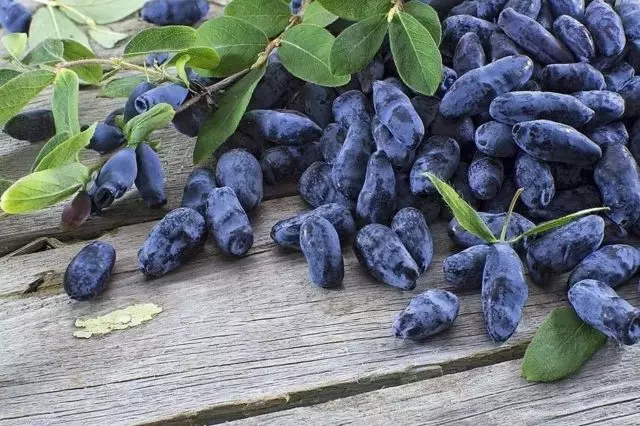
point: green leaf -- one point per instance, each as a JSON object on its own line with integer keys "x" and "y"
{"x": 67, "y": 151}
{"x": 203, "y": 58}
{"x": 74, "y": 51}
{"x": 356, "y": 10}
{"x": 427, "y": 16}
{"x": 560, "y": 346}
{"x": 50, "y": 146}
{"x": 141, "y": 126}
{"x": 556, "y": 223}
{"x": 18, "y": 91}
{"x": 45, "y": 188}
{"x": 237, "y": 42}
{"x": 48, "y": 22}
{"x": 305, "y": 52}
{"x": 180, "y": 68}
{"x": 49, "y": 51}
{"x": 271, "y": 16}
{"x": 7, "y": 74}
{"x": 65, "y": 102}
{"x": 172, "y": 38}
{"x": 224, "y": 121}
{"x": 121, "y": 87}
{"x": 105, "y": 37}
{"x": 415, "y": 53}
{"x": 315, "y": 14}
{"x": 4, "y": 185}
{"x": 15, "y": 44}
{"x": 102, "y": 11}
{"x": 356, "y": 46}
{"x": 463, "y": 212}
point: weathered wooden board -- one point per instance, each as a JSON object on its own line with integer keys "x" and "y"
{"x": 238, "y": 336}
{"x": 605, "y": 391}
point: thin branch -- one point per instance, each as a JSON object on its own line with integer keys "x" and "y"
{"x": 210, "y": 90}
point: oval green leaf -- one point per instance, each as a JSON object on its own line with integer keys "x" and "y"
{"x": 7, "y": 74}
{"x": 67, "y": 151}
{"x": 45, "y": 188}
{"x": 466, "y": 216}
{"x": 18, "y": 91}
{"x": 141, "y": 126}
{"x": 102, "y": 11}
{"x": 356, "y": 10}
{"x": 50, "y": 146}
{"x": 105, "y": 37}
{"x": 315, "y": 14}
{"x": 415, "y": 53}
{"x": 74, "y": 51}
{"x": 305, "y": 52}
{"x": 427, "y": 16}
{"x": 48, "y": 22}
{"x": 271, "y": 16}
{"x": 65, "y": 102}
{"x": 172, "y": 38}
{"x": 202, "y": 58}
{"x": 224, "y": 121}
{"x": 237, "y": 42}
{"x": 121, "y": 87}
{"x": 560, "y": 346}
{"x": 49, "y": 51}
{"x": 356, "y": 46}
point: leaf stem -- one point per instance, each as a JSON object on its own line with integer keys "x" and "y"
{"x": 505, "y": 224}
{"x": 119, "y": 64}
{"x": 209, "y": 90}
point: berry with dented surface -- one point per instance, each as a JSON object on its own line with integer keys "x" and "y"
{"x": 228, "y": 222}
{"x": 496, "y": 140}
{"x": 241, "y": 171}
{"x": 395, "y": 111}
{"x": 440, "y": 156}
{"x": 150, "y": 177}
{"x": 115, "y": 177}
{"x": 535, "y": 177}
{"x": 412, "y": 229}
{"x": 350, "y": 107}
{"x": 606, "y": 27}
{"x": 130, "y": 110}
{"x": 316, "y": 187}
{"x": 400, "y": 156}
{"x": 608, "y": 106}
{"x": 486, "y": 175}
{"x": 281, "y": 126}
{"x": 377, "y": 199}
{"x": 614, "y": 265}
{"x": 576, "y": 37}
{"x": 455, "y": 27}
{"x": 350, "y": 167}
{"x": 320, "y": 245}
{"x": 570, "y": 78}
{"x": 464, "y": 270}
{"x": 427, "y": 314}
{"x": 609, "y": 134}
{"x": 469, "y": 54}
{"x": 618, "y": 76}
{"x": 89, "y": 272}
{"x": 200, "y": 183}
{"x": 331, "y": 142}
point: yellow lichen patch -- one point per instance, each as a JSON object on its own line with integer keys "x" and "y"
{"x": 130, "y": 316}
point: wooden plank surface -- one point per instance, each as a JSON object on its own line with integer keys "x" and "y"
{"x": 237, "y": 337}
{"x": 606, "y": 391}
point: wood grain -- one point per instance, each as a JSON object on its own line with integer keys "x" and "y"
{"x": 238, "y": 336}
{"x": 605, "y": 391}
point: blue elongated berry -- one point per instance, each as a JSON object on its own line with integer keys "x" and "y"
{"x": 568, "y": 201}
{"x": 77, "y": 211}
{"x": 372, "y": 72}
{"x": 617, "y": 177}
{"x": 495, "y": 221}
{"x": 570, "y": 78}
{"x": 630, "y": 92}
{"x": 608, "y": 106}
{"x": 609, "y": 134}
{"x": 350, "y": 167}
{"x": 200, "y": 183}
{"x": 150, "y": 177}
{"x": 282, "y": 163}
{"x": 496, "y": 139}
{"x": 473, "y": 92}
{"x": 606, "y": 27}
{"x": 130, "y": 110}
{"x": 599, "y": 305}
{"x": 174, "y": 12}
{"x": 489, "y": 9}
{"x": 427, "y": 108}
{"x": 172, "y": 94}
{"x": 535, "y": 177}
{"x": 377, "y": 199}
{"x": 394, "y": 110}
{"x": 576, "y": 37}
{"x": 316, "y": 187}
{"x": 384, "y": 256}
{"x": 516, "y": 107}
{"x": 573, "y": 8}
{"x": 35, "y": 125}
{"x": 618, "y": 76}
{"x": 14, "y": 17}
{"x": 629, "y": 11}
{"x": 281, "y": 126}
{"x": 502, "y": 46}
{"x": 286, "y": 233}
{"x": 427, "y": 314}
{"x": 320, "y": 245}
{"x": 530, "y": 8}
{"x": 560, "y": 250}
{"x": 504, "y": 292}
{"x": 318, "y": 103}
{"x": 115, "y": 177}
{"x": 469, "y": 54}
{"x": 551, "y": 141}
{"x": 176, "y": 238}
{"x": 189, "y": 121}
{"x": 454, "y": 27}
{"x": 412, "y": 229}
{"x": 106, "y": 138}
{"x": 331, "y": 142}
{"x": 486, "y": 175}
{"x": 533, "y": 38}
{"x": 614, "y": 265}
{"x": 228, "y": 222}
{"x": 400, "y": 156}
{"x": 350, "y": 107}
{"x": 464, "y": 270}
{"x": 89, "y": 271}
{"x": 403, "y": 87}
{"x": 241, "y": 171}
{"x": 440, "y": 156}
